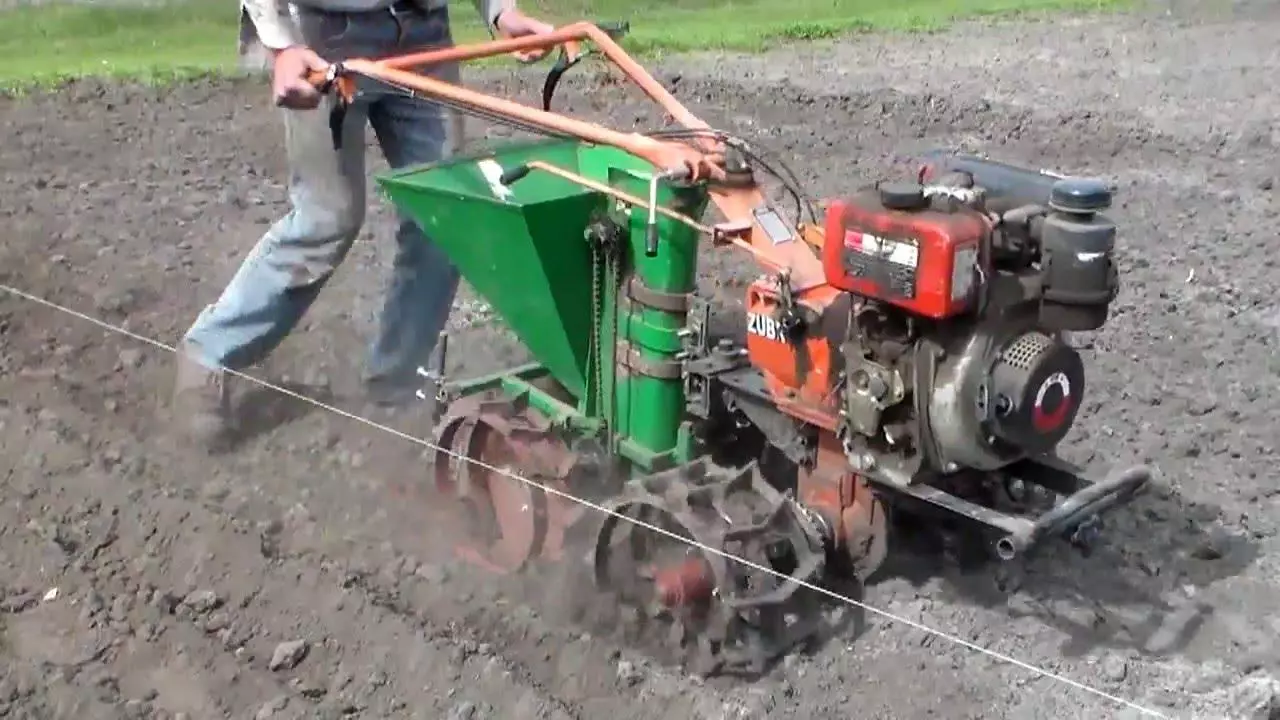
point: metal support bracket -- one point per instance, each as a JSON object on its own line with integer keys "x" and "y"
{"x": 642, "y": 294}
{"x": 630, "y": 362}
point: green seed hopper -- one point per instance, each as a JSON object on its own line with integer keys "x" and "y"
{"x": 566, "y": 268}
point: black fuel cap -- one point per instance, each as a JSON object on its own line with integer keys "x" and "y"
{"x": 902, "y": 196}
{"x": 1080, "y": 195}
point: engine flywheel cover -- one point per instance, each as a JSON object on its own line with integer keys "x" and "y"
{"x": 1037, "y": 385}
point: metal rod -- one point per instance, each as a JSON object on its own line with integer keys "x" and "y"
{"x": 637, "y": 202}
{"x": 1094, "y": 499}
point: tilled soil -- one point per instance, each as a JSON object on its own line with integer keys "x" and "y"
{"x": 304, "y": 576}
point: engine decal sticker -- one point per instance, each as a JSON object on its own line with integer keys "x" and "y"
{"x": 764, "y": 326}
{"x": 962, "y": 274}
{"x": 898, "y": 252}
{"x": 1053, "y": 401}
{"x": 890, "y": 264}
{"x": 778, "y": 230}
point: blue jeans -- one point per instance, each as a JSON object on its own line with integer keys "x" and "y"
{"x": 284, "y": 273}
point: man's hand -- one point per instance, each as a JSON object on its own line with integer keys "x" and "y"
{"x": 515, "y": 24}
{"x": 289, "y": 78}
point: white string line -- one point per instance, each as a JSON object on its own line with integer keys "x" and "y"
{"x": 599, "y": 508}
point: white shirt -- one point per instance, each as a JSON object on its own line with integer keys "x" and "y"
{"x": 272, "y": 23}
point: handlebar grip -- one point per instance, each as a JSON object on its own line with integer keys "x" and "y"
{"x": 651, "y": 241}
{"x": 513, "y": 175}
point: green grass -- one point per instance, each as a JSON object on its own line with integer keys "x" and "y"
{"x": 48, "y": 43}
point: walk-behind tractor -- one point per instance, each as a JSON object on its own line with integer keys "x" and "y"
{"x": 904, "y": 350}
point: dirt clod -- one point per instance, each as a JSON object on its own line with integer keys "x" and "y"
{"x": 1115, "y": 668}
{"x": 201, "y": 602}
{"x": 288, "y": 654}
{"x": 272, "y": 708}
{"x": 1256, "y": 698}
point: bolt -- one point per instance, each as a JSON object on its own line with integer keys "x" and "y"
{"x": 861, "y": 379}
{"x": 1004, "y": 405}
{"x": 1017, "y": 489}
{"x": 877, "y": 387}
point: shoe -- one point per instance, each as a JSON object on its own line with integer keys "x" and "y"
{"x": 201, "y": 402}
{"x": 389, "y": 395}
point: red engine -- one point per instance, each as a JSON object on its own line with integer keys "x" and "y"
{"x": 887, "y": 243}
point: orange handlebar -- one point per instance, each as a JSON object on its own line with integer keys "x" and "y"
{"x": 701, "y": 158}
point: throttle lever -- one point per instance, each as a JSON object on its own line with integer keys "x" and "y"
{"x": 568, "y": 58}
{"x": 651, "y": 223}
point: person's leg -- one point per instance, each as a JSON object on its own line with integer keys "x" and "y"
{"x": 423, "y": 280}
{"x": 283, "y": 273}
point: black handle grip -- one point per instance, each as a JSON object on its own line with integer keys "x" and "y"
{"x": 651, "y": 241}
{"x": 337, "y": 121}
{"x": 615, "y": 31}
{"x": 510, "y": 176}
